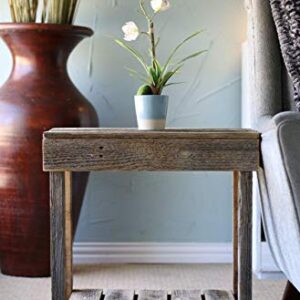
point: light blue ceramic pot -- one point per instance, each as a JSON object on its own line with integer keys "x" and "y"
{"x": 151, "y": 111}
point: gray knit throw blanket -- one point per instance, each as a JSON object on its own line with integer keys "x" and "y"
{"x": 286, "y": 14}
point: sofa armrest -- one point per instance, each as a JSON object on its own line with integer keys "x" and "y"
{"x": 267, "y": 122}
{"x": 287, "y": 116}
{"x": 279, "y": 182}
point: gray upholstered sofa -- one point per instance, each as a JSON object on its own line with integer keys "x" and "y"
{"x": 273, "y": 114}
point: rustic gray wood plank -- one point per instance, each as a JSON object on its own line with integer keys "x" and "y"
{"x": 235, "y": 231}
{"x": 68, "y": 233}
{"x": 86, "y": 295}
{"x": 152, "y": 295}
{"x": 245, "y": 237}
{"x": 217, "y": 295}
{"x": 126, "y": 133}
{"x": 151, "y": 154}
{"x": 186, "y": 295}
{"x": 61, "y": 235}
{"x": 119, "y": 295}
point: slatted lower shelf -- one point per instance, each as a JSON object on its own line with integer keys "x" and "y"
{"x": 151, "y": 295}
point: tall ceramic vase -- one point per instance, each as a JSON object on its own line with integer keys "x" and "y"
{"x": 37, "y": 96}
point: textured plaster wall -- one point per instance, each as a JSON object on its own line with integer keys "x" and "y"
{"x": 160, "y": 207}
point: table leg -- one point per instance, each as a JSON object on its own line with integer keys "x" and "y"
{"x": 245, "y": 237}
{"x": 235, "y": 232}
{"x": 61, "y": 234}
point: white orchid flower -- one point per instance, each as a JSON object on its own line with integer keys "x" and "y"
{"x": 131, "y": 31}
{"x": 160, "y": 5}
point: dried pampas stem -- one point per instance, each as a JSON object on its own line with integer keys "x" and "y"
{"x": 53, "y": 11}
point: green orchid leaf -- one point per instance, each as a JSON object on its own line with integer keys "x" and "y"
{"x": 157, "y": 67}
{"x": 138, "y": 75}
{"x": 153, "y": 74}
{"x": 164, "y": 79}
{"x": 174, "y": 83}
{"x": 157, "y": 42}
{"x": 133, "y": 52}
{"x": 192, "y": 56}
{"x": 167, "y": 76}
{"x": 178, "y": 47}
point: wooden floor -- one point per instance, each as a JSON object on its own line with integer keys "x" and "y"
{"x": 151, "y": 295}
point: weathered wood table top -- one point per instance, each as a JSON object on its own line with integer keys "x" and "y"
{"x": 68, "y": 150}
{"x": 168, "y": 150}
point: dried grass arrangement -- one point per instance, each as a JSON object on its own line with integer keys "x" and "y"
{"x": 53, "y": 11}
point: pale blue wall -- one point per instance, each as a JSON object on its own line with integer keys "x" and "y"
{"x": 168, "y": 207}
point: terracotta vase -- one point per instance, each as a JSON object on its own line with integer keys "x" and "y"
{"x": 38, "y": 95}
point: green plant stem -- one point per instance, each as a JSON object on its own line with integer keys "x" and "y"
{"x": 151, "y": 34}
{"x": 152, "y": 41}
{"x": 144, "y": 12}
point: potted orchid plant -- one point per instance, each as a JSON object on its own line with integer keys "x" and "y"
{"x": 150, "y": 104}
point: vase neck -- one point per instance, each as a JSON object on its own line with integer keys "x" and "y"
{"x": 38, "y": 53}
{"x": 35, "y": 63}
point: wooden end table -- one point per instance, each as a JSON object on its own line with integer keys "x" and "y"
{"x": 77, "y": 150}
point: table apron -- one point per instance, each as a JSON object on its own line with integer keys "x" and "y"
{"x": 150, "y": 154}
